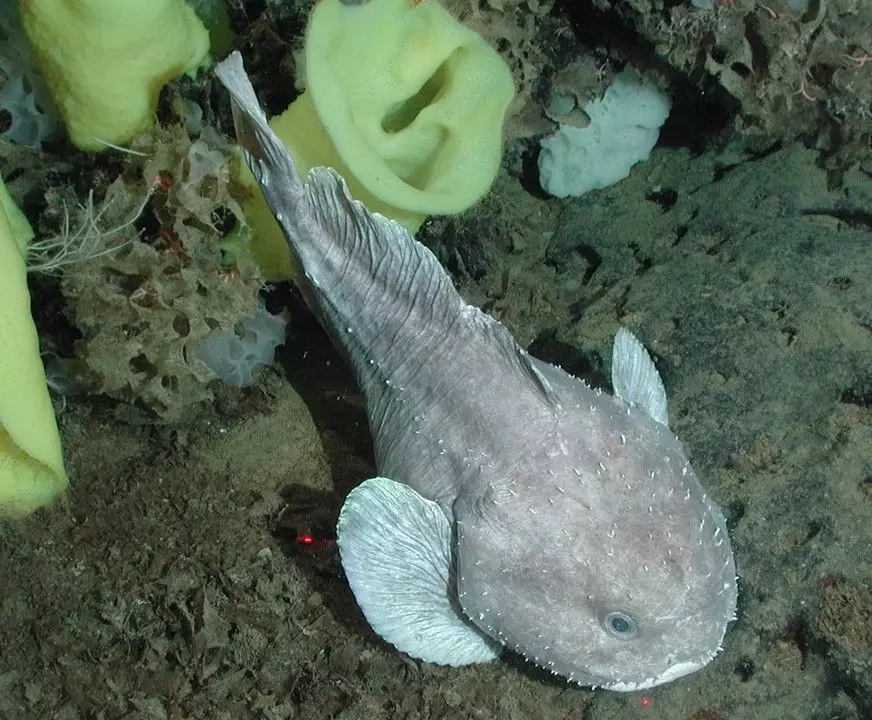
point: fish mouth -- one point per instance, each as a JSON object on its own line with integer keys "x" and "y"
{"x": 673, "y": 672}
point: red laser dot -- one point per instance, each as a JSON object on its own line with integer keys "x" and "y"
{"x": 646, "y": 701}
{"x": 306, "y": 540}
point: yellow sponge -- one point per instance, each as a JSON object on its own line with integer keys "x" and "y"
{"x": 105, "y": 61}
{"x": 405, "y": 102}
{"x": 31, "y": 464}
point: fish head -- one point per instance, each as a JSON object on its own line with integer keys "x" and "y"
{"x": 604, "y": 561}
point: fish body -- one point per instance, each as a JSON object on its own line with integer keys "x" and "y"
{"x": 515, "y": 505}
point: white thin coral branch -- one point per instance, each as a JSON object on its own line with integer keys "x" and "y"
{"x": 82, "y": 241}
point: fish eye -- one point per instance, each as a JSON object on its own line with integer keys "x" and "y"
{"x": 621, "y": 625}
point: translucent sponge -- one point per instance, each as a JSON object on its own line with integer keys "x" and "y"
{"x": 237, "y": 355}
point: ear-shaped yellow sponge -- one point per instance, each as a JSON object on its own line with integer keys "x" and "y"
{"x": 31, "y": 464}
{"x": 105, "y": 61}
{"x": 405, "y": 102}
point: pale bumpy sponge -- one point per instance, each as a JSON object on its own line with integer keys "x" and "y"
{"x": 624, "y": 127}
{"x": 236, "y": 356}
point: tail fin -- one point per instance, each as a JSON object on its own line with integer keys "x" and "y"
{"x": 265, "y": 154}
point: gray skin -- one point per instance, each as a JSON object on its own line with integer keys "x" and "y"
{"x": 568, "y": 524}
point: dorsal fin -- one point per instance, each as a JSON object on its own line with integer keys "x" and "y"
{"x": 635, "y": 379}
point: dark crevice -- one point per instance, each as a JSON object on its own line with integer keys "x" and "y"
{"x": 664, "y": 197}
{"x": 759, "y": 52}
{"x": 854, "y": 219}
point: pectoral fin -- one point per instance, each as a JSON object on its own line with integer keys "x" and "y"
{"x": 396, "y": 549}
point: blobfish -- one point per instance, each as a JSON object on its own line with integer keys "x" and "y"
{"x": 515, "y": 506}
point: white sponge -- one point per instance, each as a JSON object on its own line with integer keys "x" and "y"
{"x": 624, "y": 127}
{"x": 236, "y": 355}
